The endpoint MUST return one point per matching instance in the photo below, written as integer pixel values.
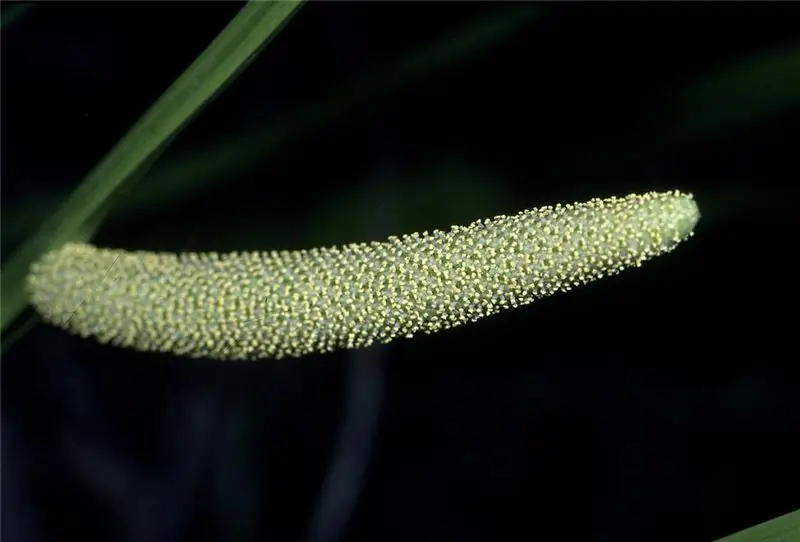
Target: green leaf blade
(77, 219)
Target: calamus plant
(276, 304)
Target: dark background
(660, 404)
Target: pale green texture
(276, 304)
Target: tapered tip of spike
(687, 214)
(254, 305)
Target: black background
(660, 404)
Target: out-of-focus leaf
(13, 14)
(751, 90)
(245, 149)
(730, 99)
(784, 528)
(82, 212)
(224, 160)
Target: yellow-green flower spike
(276, 304)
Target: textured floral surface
(276, 304)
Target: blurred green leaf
(750, 90)
(76, 220)
(174, 178)
(13, 14)
(784, 528)
(732, 98)
(362, 94)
